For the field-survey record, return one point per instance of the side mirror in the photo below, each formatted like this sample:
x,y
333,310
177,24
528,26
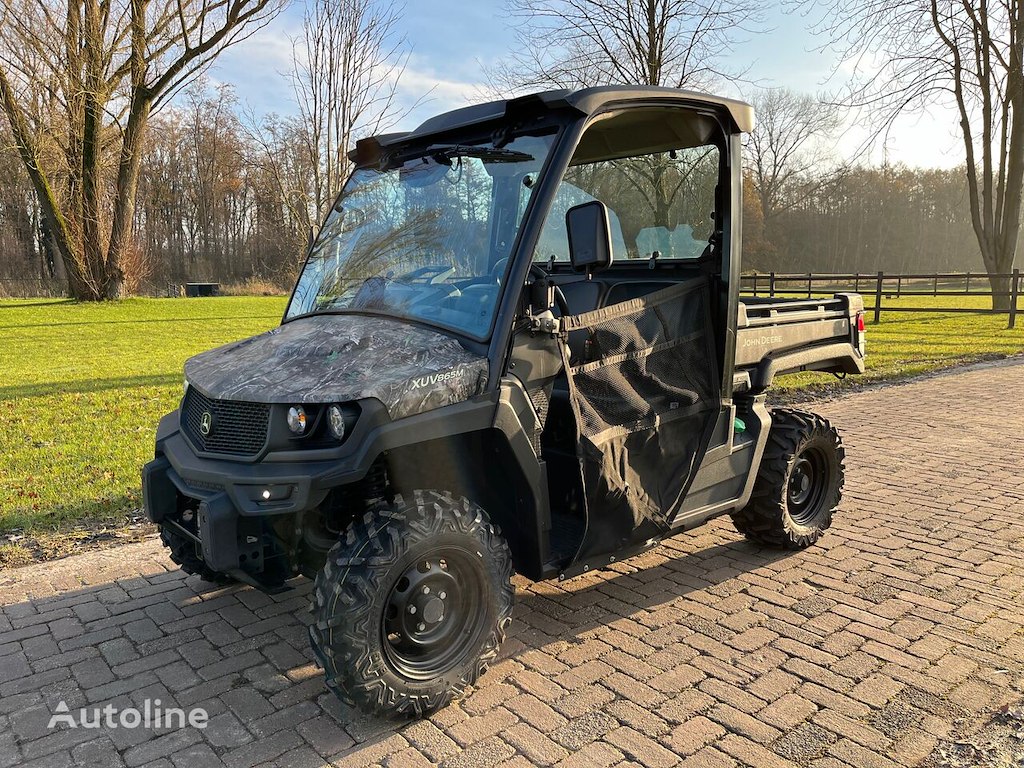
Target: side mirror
x,y
590,237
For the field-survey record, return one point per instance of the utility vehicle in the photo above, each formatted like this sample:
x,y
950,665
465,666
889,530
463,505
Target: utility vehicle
x,y
517,345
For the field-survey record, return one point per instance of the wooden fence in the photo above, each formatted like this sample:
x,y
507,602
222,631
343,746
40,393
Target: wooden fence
x,y
882,286
40,288
31,288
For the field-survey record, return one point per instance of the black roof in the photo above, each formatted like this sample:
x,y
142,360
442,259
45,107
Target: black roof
x,y
586,101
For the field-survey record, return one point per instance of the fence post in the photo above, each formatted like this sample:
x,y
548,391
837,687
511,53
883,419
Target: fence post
x,y
967,284
899,285
935,286
808,285
755,284
856,283
1014,293
771,284
878,298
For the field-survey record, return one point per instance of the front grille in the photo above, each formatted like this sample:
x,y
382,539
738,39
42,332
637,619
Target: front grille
x,y
238,428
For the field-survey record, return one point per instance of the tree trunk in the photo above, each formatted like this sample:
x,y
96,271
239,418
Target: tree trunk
x,y
998,262
1000,285
124,199
91,228
57,225
92,170
130,158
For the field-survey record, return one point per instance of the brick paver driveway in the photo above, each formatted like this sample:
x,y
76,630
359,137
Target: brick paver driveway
x,y
905,621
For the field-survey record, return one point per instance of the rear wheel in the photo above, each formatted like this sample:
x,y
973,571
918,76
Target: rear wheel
x,y
412,604
799,482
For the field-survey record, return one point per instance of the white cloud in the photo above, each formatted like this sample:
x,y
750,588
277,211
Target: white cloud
x,y
258,68
423,92
442,74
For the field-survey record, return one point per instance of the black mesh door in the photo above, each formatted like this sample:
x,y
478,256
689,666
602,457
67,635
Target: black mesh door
x,y
644,392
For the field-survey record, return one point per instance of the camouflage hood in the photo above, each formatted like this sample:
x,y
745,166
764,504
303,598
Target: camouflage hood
x,y
338,358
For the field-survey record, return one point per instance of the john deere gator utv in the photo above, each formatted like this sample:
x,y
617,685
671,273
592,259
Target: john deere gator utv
x,y
517,345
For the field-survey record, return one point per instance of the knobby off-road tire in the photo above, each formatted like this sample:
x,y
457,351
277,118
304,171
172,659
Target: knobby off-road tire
x,y
798,485
412,604
183,552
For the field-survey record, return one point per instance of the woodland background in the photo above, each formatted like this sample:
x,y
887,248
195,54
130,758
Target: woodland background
x,y
222,194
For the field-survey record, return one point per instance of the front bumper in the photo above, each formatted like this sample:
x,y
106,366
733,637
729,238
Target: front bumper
x,y
223,505
233,506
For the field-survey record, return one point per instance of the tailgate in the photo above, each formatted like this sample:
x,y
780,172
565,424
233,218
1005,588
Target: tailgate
x,y
774,329
782,331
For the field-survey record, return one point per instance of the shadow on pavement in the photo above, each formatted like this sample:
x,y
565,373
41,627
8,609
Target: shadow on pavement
x,y
244,657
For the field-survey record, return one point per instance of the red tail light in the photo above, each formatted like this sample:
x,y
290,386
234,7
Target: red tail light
x,y
860,322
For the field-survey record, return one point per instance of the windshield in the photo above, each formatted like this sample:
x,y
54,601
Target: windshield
x,y
428,239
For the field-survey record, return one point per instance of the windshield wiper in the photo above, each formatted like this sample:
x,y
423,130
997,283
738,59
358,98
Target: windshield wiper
x,y
487,154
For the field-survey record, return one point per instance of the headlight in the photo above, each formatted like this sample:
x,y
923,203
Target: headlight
x,y
185,390
336,422
297,419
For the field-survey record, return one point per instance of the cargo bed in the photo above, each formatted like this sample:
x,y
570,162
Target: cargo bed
x,y
778,336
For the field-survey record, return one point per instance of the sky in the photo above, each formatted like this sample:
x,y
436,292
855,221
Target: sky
x,y
450,42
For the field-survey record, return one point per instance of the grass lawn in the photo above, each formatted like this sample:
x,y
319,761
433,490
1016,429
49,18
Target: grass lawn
x,y
905,344
82,390
84,385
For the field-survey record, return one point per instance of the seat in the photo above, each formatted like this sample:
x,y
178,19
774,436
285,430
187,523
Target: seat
x,y
628,290
582,295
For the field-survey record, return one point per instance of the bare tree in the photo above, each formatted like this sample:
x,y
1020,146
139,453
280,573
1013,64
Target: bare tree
x,y
577,43
966,54
347,68
79,80
786,148
210,205
279,157
22,251
888,218
215,203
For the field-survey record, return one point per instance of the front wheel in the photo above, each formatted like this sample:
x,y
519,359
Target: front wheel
x,y
185,553
412,604
799,482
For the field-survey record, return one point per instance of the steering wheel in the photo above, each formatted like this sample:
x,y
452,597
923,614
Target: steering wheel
x,y
498,273
498,270
371,293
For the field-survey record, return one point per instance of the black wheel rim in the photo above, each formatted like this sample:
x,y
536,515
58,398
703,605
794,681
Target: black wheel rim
x,y
805,492
435,614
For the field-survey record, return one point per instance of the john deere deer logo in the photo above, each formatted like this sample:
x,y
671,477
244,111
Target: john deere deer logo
x,y
206,423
